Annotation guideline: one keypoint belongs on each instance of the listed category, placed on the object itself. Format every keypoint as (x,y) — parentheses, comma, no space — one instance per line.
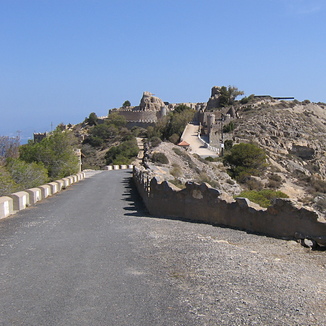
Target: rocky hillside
(293,135)
(294,138)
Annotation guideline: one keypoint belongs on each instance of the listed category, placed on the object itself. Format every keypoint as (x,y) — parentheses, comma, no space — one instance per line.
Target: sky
(60,60)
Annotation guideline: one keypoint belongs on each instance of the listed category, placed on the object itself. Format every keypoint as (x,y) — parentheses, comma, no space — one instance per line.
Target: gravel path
(229,277)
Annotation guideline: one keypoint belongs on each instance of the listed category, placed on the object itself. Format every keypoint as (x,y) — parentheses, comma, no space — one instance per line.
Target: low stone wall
(283,219)
(20,200)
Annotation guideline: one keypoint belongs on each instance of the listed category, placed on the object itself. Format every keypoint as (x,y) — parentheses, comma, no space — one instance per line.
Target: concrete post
(20,200)
(6,206)
(45,191)
(54,187)
(66,182)
(60,184)
(35,195)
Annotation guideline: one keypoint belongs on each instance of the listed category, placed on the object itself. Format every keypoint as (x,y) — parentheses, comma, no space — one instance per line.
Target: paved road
(196,146)
(91,256)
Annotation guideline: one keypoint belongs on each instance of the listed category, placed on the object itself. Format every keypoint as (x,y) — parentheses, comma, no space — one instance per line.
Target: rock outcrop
(149,102)
(213,101)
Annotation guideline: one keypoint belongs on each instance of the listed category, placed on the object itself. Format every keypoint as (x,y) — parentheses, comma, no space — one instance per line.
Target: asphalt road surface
(92,256)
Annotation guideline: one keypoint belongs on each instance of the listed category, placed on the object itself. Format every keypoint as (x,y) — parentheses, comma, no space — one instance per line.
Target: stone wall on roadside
(200,202)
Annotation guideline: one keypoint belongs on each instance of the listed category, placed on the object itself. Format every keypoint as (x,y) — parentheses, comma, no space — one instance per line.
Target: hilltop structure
(150,110)
(215,121)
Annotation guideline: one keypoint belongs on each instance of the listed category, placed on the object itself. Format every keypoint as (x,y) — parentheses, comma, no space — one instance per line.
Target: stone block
(71,179)
(123,167)
(35,195)
(45,191)
(66,182)
(80,176)
(60,184)
(20,200)
(6,206)
(116,167)
(54,187)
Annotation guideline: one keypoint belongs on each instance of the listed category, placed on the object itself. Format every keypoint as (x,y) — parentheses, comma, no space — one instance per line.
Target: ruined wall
(131,115)
(202,203)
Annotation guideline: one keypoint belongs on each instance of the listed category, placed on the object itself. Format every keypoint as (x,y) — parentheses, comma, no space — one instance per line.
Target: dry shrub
(176,170)
(253,184)
(274,181)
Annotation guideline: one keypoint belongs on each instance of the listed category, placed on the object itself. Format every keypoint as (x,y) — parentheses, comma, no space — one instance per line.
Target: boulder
(149,102)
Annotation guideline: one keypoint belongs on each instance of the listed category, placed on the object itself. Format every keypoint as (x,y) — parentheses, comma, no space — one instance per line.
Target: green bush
(155,141)
(247,99)
(174,138)
(228,144)
(123,153)
(229,127)
(263,197)
(27,175)
(56,152)
(92,119)
(178,151)
(158,157)
(245,160)
(7,184)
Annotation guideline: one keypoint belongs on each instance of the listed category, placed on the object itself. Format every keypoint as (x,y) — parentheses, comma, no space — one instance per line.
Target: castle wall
(202,203)
(139,115)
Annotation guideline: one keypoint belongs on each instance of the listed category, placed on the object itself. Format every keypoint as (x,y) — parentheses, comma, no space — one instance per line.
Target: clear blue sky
(60,60)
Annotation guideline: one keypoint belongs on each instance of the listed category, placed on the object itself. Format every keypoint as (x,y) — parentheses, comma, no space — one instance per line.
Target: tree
(116,119)
(9,147)
(7,184)
(172,124)
(179,121)
(228,95)
(56,152)
(27,175)
(104,131)
(247,99)
(92,119)
(126,104)
(245,160)
(123,153)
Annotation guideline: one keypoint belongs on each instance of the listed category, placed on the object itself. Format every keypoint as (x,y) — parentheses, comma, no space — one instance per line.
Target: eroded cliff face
(294,136)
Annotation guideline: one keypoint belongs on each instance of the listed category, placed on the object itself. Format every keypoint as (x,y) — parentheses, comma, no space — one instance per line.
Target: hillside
(292,134)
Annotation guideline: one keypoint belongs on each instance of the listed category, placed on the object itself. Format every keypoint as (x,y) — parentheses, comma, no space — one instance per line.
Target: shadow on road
(136,206)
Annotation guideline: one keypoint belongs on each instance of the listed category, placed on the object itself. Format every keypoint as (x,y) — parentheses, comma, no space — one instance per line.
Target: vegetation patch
(158,157)
(176,170)
(245,160)
(262,197)
(155,141)
(123,153)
